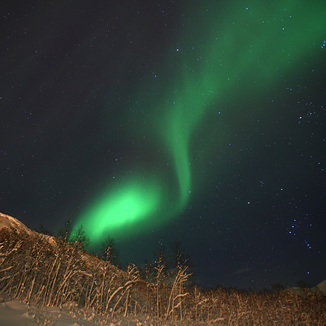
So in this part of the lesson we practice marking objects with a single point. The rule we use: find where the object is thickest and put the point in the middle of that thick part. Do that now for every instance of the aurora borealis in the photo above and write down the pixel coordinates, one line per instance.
(260, 38)
(132, 203)
(197, 121)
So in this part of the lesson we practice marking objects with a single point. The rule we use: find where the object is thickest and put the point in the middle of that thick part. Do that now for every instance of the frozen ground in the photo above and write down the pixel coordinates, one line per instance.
(15, 313)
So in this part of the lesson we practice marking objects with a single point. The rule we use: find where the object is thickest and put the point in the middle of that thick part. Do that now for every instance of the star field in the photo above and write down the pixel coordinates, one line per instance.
(206, 119)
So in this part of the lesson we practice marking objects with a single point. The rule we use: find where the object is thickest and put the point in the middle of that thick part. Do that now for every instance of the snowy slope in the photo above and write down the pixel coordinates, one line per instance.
(18, 227)
(13, 224)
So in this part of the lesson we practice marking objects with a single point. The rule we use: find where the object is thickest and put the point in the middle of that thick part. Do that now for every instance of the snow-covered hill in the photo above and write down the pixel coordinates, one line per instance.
(13, 224)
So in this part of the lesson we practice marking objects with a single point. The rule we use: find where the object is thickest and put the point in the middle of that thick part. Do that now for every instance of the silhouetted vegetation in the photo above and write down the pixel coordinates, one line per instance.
(65, 231)
(44, 230)
(109, 251)
(79, 238)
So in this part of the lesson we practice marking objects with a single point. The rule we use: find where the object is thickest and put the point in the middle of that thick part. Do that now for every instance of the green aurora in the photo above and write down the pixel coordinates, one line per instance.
(246, 46)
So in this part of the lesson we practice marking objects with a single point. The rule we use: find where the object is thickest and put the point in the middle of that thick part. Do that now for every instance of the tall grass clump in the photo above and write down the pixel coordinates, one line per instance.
(47, 271)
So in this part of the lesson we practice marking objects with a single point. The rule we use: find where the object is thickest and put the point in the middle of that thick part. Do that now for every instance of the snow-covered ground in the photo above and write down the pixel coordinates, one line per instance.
(15, 313)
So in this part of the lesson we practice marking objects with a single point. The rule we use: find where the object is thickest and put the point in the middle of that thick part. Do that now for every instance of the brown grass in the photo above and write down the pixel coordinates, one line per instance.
(38, 272)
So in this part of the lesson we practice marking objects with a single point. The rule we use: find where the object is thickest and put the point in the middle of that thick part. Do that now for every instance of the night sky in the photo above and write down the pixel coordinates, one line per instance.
(156, 121)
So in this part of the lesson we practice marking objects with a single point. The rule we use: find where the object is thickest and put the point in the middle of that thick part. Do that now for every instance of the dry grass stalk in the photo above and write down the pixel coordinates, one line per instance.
(37, 272)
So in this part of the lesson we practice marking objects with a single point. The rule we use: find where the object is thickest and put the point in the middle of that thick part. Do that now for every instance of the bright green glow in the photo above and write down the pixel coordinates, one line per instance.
(241, 49)
(119, 209)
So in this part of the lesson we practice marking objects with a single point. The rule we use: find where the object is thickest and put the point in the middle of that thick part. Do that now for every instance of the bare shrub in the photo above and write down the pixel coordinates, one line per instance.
(55, 273)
